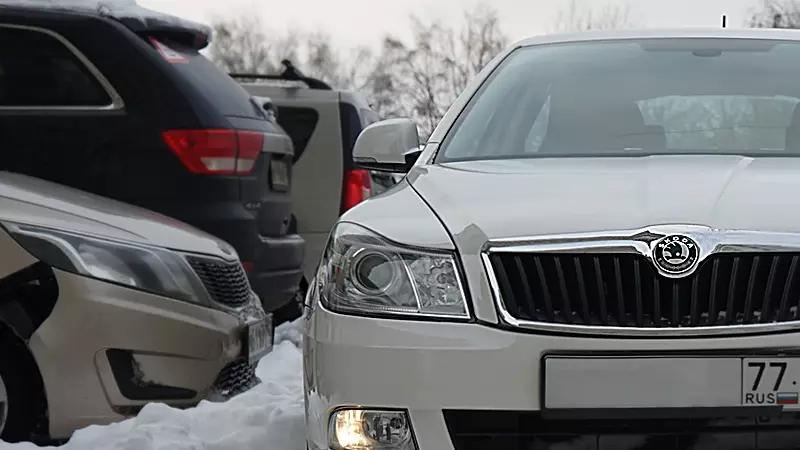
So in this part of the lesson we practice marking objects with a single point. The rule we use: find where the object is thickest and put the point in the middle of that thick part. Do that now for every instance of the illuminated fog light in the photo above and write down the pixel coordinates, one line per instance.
(358, 429)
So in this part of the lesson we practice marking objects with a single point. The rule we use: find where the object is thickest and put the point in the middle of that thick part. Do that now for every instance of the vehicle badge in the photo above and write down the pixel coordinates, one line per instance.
(676, 254)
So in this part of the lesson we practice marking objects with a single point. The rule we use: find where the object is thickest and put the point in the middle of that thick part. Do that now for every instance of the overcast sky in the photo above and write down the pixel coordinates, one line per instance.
(359, 22)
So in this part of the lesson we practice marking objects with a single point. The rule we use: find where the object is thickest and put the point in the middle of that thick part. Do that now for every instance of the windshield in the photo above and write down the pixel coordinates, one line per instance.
(635, 97)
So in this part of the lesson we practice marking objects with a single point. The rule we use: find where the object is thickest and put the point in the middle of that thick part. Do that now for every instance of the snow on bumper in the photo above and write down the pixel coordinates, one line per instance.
(427, 367)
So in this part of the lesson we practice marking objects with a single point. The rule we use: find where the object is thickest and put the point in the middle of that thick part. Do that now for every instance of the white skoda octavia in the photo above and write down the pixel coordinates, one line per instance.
(597, 248)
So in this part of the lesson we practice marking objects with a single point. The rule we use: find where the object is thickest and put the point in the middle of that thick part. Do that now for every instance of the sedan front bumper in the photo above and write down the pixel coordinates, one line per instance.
(473, 386)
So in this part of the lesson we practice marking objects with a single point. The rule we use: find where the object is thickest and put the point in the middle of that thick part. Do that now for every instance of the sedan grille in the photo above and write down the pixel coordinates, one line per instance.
(226, 282)
(624, 290)
(528, 430)
(235, 378)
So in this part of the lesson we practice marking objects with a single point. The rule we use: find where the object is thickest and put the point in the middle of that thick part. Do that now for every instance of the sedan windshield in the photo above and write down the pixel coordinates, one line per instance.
(635, 97)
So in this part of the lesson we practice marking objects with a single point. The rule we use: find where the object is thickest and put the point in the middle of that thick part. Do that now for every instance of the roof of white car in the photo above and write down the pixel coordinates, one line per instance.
(604, 35)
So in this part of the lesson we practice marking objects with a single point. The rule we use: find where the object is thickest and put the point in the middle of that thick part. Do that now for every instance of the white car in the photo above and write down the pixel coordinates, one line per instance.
(598, 248)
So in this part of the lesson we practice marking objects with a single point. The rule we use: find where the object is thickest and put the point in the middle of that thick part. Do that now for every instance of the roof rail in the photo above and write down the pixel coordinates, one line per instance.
(290, 73)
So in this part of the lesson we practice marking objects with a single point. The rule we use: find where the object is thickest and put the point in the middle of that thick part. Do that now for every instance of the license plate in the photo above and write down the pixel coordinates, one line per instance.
(279, 175)
(670, 382)
(259, 340)
(771, 381)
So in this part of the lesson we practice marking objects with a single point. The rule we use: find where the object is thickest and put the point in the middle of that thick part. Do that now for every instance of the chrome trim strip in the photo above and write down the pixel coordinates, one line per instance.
(116, 100)
(641, 241)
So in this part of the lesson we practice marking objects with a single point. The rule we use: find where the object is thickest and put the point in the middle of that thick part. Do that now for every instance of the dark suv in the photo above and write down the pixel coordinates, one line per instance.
(116, 100)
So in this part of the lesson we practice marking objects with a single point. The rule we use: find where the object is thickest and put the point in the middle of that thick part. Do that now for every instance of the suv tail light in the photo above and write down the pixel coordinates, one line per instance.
(216, 152)
(357, 188)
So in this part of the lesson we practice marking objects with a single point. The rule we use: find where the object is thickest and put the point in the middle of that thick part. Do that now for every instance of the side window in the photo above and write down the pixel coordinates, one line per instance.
(36, 69)
(299, 123)
(368, 117)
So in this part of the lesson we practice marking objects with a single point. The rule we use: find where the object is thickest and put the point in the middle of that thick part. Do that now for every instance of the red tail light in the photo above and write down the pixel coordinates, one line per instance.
(357, 188)
(248, 266)
(217, 152)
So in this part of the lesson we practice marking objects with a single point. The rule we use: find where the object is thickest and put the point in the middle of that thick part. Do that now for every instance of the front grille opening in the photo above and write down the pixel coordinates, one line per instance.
(625, 290)
(528, 430)
(226, 282)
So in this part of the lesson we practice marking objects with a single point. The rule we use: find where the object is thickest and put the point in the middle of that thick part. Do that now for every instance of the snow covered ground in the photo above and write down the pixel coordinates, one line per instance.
(268, 417)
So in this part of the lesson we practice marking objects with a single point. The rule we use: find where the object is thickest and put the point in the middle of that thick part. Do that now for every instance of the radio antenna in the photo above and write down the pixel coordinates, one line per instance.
(724, 20)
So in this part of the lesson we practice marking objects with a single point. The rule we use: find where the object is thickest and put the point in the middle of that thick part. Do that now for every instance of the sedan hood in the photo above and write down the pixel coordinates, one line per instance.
(530, 197)
(32, 201)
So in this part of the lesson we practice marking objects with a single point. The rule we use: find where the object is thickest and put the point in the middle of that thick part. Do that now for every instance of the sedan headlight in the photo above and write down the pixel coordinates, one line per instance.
(151, 269)
(362, 272)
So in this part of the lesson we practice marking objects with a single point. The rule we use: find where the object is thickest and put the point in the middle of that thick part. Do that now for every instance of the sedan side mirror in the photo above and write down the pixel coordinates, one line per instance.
(390, 145)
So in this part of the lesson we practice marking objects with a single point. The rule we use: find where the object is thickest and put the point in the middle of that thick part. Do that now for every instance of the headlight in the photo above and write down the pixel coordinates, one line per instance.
(362, 272)
(150, 269)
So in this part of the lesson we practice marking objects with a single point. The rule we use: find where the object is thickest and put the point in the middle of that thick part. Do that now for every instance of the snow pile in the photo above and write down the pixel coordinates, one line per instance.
(268, 417)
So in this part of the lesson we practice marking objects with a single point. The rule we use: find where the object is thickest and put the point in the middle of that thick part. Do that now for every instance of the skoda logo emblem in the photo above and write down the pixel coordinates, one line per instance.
(676, 254)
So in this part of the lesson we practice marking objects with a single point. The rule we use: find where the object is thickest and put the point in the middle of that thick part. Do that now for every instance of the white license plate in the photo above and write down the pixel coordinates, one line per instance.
(259, 340)
(670, 382)
(771, 381)
(279, 175)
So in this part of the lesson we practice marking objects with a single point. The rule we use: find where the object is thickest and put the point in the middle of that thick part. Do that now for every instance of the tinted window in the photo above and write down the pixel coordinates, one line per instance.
(636, 97)
(299, 123)
(226, 94)
(36, 69)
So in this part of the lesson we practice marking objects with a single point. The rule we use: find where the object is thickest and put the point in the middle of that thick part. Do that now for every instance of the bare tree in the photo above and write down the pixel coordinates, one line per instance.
(578, 17)
(776, 14)
(420, 79)
(428, 75)
(245, 45)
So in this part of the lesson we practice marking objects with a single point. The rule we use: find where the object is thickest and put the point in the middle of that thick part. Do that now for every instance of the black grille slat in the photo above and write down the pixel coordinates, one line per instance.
(729, 315)
(626, 290)
(621, 318)
(676, 305)
(226, 282)
(657, 319)
(767, 304)
(787, 289)
(748, 303)
(582, 290)
(695, 301)
(562, 284)
(637, 287)
(548, 303)
(601, 292)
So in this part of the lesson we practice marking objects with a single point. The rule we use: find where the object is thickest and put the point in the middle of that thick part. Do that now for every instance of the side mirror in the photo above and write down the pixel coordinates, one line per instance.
(390, 145)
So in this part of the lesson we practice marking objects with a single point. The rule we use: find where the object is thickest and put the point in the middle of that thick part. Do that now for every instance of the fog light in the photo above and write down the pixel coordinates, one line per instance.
(358, 429)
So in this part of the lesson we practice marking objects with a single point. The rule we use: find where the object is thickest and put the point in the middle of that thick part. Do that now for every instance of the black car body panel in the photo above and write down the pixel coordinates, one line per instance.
(115, 148)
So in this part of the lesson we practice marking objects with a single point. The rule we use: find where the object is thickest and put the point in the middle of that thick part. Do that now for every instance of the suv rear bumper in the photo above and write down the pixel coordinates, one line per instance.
(278, 271)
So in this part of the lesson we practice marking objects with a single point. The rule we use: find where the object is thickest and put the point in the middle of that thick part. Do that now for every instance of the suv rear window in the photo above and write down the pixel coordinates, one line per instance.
(231, 99)
(299, 123)
(36, 69)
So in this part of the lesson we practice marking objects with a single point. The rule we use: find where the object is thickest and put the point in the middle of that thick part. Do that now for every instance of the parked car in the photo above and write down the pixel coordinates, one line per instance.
(323, 123)
(115, 99)
(599, 247)
(105, 307)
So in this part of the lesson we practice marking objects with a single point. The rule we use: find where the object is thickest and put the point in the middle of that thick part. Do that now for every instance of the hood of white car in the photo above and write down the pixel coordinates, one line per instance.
(33, 201)
(530, 197)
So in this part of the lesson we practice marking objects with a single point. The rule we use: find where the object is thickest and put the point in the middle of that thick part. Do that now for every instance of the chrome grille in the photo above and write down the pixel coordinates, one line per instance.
(226, 282)
(624, 290)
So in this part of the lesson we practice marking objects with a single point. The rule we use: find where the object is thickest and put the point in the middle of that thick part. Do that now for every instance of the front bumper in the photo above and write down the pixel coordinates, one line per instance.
(473, 386)
(106, 350)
